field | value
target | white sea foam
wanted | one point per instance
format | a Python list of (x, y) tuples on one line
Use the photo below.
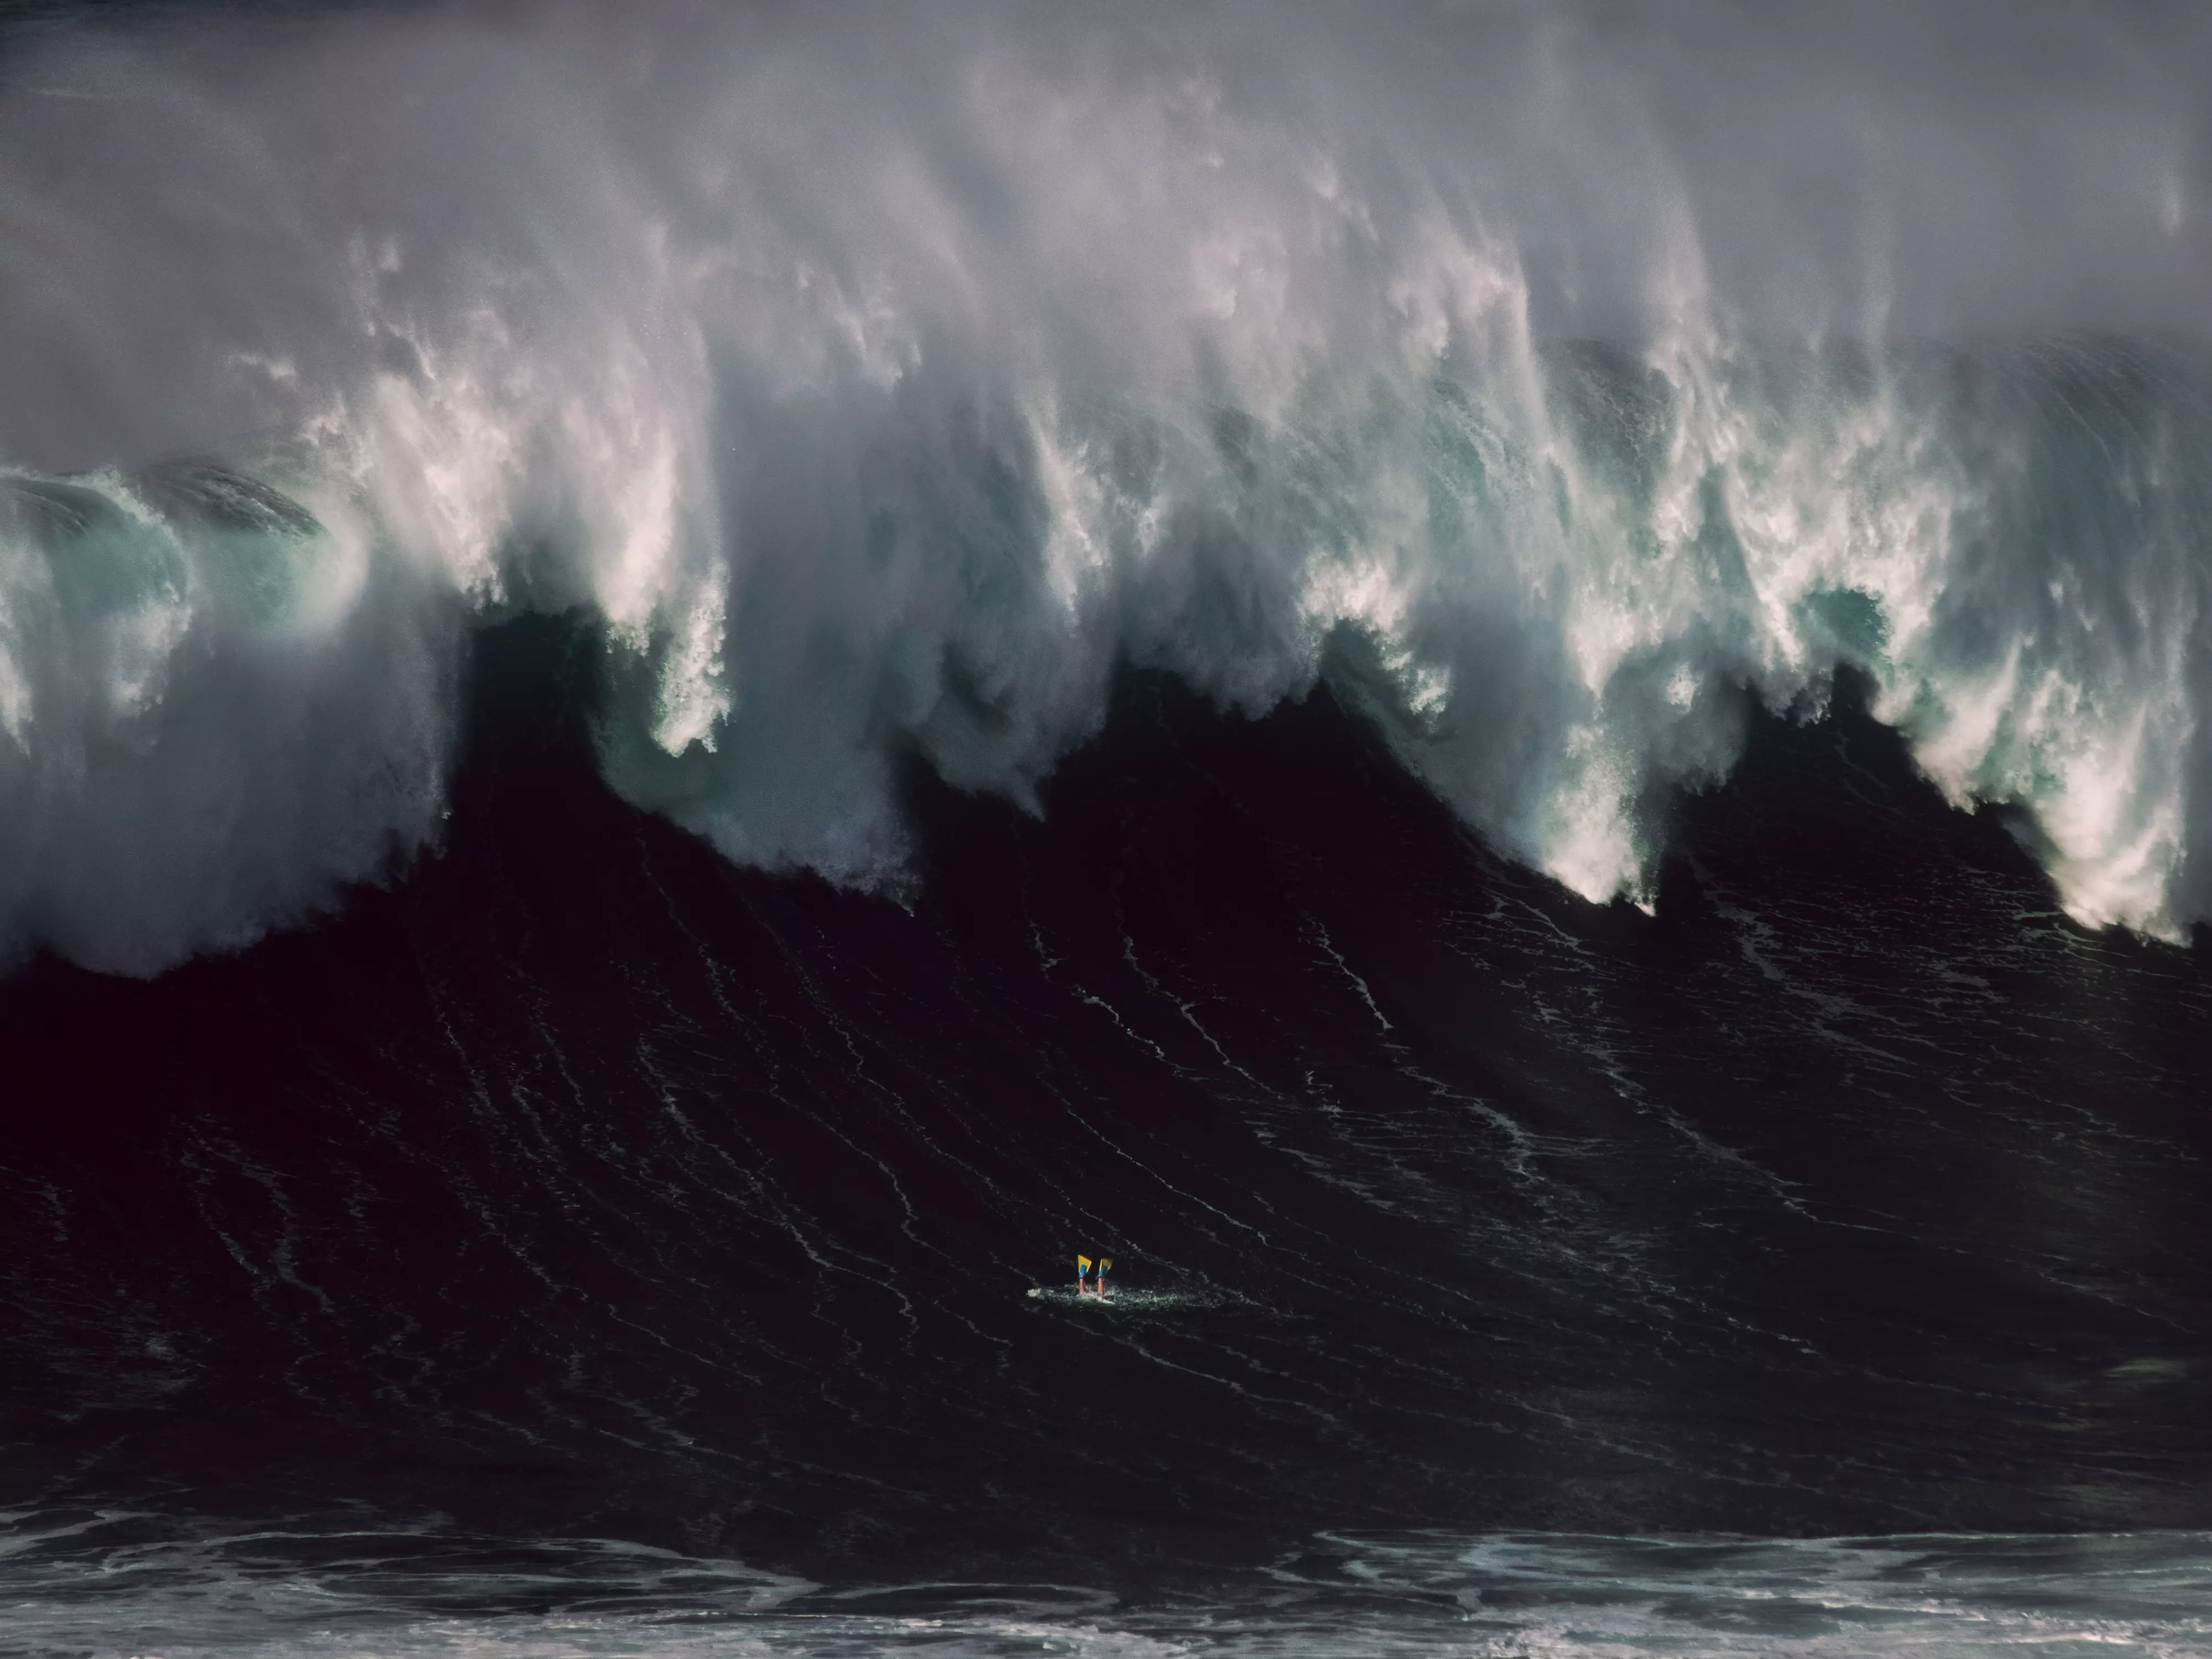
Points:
[(116, 1582), (878, 388)]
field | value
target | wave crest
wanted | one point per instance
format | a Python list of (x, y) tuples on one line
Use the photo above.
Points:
[(878, 394)]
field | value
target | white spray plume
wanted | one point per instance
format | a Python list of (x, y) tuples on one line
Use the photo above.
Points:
[(881, 378)]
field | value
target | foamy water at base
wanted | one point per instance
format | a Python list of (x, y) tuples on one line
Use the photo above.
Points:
[(115, 1584)]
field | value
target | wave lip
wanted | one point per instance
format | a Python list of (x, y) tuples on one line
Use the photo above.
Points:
[(216, 709)]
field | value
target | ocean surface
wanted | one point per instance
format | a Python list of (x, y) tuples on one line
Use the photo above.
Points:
[(402, 1593), (377, 1278), (686, 694)]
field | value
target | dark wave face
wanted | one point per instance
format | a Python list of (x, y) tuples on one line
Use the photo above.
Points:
[(582, 1186), (1520, 701)]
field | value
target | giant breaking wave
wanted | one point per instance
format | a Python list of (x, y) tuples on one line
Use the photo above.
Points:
[(878, 384)]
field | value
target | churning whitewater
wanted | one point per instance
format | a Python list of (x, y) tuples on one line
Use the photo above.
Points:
[(878, 386)]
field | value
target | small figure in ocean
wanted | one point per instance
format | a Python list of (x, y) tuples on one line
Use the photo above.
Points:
[(1083, 1286)]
